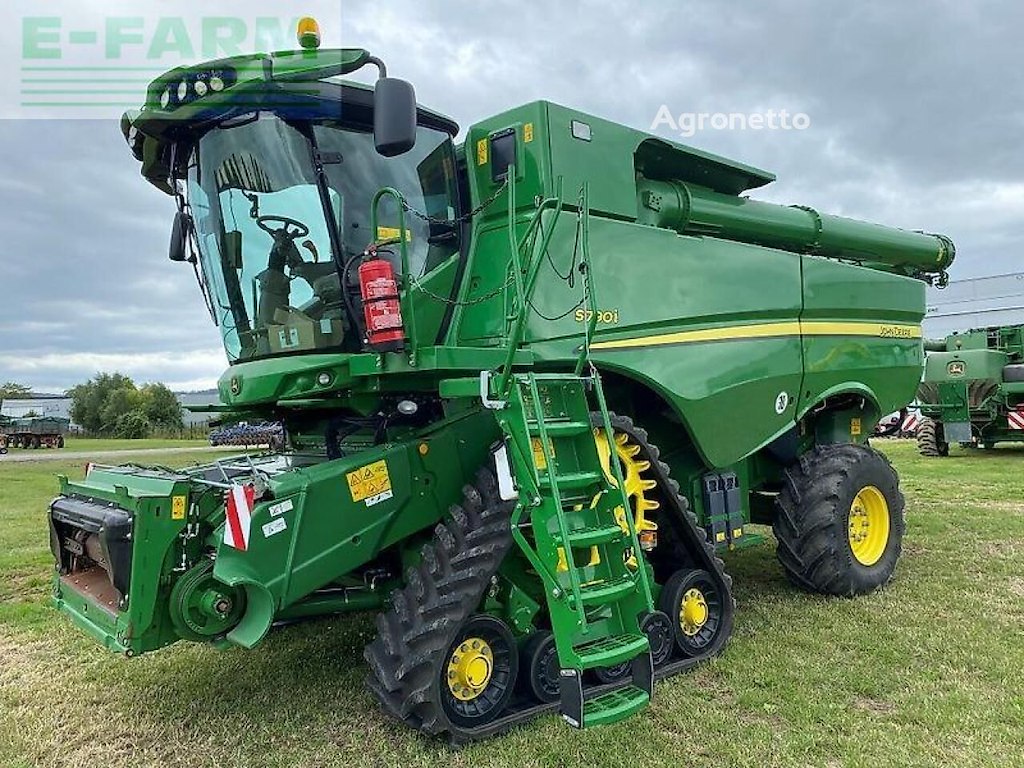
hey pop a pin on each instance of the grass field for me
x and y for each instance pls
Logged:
(72, 443)
(927, 672)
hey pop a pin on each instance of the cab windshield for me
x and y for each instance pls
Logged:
(263, 220)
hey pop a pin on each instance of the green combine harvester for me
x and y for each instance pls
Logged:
(533, 384)
(973, 390)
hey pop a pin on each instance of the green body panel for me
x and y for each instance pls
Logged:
(331, 531)
(145, 625)
(964, 385)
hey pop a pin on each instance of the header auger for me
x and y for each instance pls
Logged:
(533, 387)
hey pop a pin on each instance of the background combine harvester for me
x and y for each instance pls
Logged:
(973, 390)
(532, 386)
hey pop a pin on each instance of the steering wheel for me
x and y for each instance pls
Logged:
(264, 222)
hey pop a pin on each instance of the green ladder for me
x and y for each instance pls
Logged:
(596, 585)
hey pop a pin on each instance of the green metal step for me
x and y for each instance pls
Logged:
(561, 428)
(594, 535)
(609, 591)
(610, 650)
(614, 706)
(572, 481)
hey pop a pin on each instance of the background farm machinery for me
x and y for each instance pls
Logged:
(33, 432)
(973, 390)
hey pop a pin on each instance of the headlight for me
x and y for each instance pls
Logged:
(165, 98)
(216, 84)
(201, 88)
(182, 90)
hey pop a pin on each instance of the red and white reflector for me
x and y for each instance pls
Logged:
(1015, 418)
(239, 516)
(910, 423)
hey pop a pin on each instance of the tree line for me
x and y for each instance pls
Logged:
(112, 404)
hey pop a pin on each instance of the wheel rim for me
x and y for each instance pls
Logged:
(658, 628)
(693, 612)
(477, 682)
(544, 668)
(868, 529)
(470, 667)
(696, 609)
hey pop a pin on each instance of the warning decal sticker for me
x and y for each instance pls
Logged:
(371, 483)
(178, 507)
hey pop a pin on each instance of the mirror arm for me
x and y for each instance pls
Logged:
(382, 70)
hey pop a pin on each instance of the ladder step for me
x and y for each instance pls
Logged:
(573, 480)
(611, 650)
(597, 534)
(602, 592)
(561, 428)
(614, 706)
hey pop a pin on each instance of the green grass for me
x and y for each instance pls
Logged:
(925, 672)
(72, 443)
(110, 444)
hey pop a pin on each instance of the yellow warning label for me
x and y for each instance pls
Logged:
(855, 425)
(369, 481)
(481, 152)
(528, 133)
(720, 536)
(538, 453)
(391, 233)
(737, 532)
(178, 507)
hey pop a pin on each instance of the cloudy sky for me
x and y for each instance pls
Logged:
(916, 114)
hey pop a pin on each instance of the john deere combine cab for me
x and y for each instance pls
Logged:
(533, 385)
(973, 390)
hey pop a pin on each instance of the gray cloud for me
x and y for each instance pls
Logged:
(915, 115)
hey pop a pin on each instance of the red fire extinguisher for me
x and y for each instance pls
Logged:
(381, 306)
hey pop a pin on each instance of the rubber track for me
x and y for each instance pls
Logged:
(447, 587)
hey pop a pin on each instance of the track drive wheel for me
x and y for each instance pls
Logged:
(541, 667)
(418, 653)
(839, 520)
(692, 601)
(931, 441)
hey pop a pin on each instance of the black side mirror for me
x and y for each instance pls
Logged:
(180, 230)
(394, 116)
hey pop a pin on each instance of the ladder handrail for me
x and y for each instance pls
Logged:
(613, 462)
(563, 530)
(524, 291)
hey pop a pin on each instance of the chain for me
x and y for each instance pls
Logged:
(458, 219)
(469, 302)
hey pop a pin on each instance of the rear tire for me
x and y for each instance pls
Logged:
(839, 520)
(931, 440)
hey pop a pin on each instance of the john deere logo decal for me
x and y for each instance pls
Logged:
(956, 368)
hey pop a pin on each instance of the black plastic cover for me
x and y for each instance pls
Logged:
(111, 524)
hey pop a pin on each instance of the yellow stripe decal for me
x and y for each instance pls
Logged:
(769, 330)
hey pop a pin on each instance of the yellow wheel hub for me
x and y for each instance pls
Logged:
(470, 668)
(868, 530)
(693, 612)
